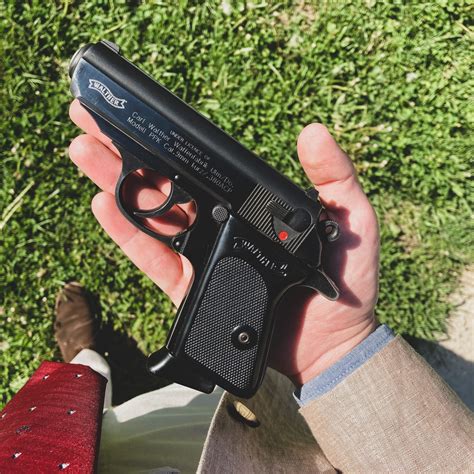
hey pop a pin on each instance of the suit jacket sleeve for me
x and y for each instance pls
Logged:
(393, 414)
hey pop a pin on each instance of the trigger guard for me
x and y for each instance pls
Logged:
(176, 196)
(175, 242)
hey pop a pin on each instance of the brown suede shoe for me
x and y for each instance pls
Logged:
(75, 326)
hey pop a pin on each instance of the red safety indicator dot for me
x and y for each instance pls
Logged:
(283, 235)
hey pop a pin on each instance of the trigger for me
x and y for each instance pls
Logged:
(176, 196)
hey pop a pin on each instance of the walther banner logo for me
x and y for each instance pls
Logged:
(107, 94)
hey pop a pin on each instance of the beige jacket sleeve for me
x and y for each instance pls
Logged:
(393, 414)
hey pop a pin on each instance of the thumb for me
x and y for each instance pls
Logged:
(330, 169)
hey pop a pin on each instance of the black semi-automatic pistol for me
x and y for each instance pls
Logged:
(255, 235)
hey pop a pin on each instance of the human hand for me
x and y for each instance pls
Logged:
(312, 332)
(315, 332)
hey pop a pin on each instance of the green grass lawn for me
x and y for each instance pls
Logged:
(391, 82)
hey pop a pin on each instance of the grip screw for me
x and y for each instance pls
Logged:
(244, 337)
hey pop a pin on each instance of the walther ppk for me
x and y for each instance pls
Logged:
(255, 235)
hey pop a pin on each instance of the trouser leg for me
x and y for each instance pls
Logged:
(96, 362)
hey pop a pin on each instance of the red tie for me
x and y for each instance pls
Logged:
(53, 423)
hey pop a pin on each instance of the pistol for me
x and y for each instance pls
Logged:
(256, 234)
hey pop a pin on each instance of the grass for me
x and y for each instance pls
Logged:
(391, 81)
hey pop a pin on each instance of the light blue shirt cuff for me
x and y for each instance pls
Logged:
(335, 374)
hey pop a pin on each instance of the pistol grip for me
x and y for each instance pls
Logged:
(228, 329)
(223, 329)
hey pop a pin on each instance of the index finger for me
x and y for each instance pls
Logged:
(83, 119)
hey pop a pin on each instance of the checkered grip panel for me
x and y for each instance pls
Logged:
(236, 295)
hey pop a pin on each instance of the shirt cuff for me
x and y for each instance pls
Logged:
(335, 374)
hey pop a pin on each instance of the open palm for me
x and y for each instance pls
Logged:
(312, 332)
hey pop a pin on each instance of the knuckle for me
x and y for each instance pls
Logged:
(78, 145)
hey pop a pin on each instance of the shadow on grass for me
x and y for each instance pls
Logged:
(130, 376)
(457, 372)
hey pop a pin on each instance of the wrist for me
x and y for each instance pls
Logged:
(343, 343)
